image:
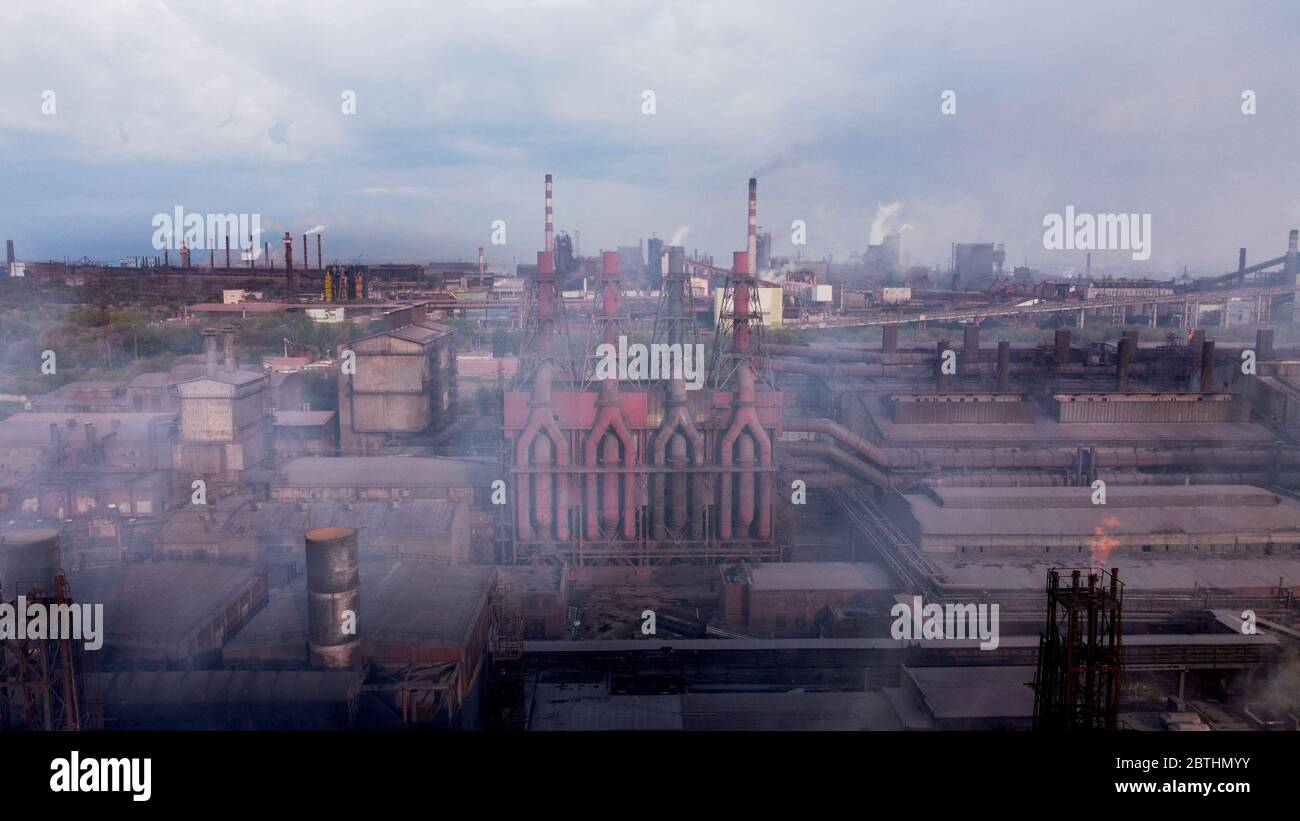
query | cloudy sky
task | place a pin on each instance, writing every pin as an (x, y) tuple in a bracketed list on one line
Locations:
[(462, 108)]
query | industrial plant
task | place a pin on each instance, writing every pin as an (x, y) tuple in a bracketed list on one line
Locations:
[(446, 509)]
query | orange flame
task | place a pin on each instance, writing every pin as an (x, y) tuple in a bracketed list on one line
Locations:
[(1104, 543)]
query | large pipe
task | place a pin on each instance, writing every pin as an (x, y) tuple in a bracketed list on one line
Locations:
[(828, 452), (678, 426), (29, 560), (744, 420), (333, 598), (541, 424), (1004, 366), (1207, 366)]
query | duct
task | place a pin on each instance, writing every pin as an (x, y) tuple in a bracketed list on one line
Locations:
[(841, 434), (609, 419), (1113, 457), (830, 479), (541, 419), (745, 480), (333, 597), (829, 453), (29, 559), (210, 350), (678, 424), (543, 455), (1004, 366), (745, 419)]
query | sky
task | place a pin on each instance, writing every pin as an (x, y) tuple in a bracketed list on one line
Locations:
[(462, 108)]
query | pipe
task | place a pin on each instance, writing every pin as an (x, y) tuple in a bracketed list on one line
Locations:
[(543, 456), (1004, 366), (679, 480), (541, 418), (610, 419), (752, 247), (829, 453), (841, 434), (678, 423), (744, 419)]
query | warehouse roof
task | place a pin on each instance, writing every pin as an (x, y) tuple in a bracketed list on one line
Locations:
[(389, 471), (33, 427), (820, 576), (1137, 572), (372, 519)]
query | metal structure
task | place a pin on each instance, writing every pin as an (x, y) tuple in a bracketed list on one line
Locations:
[(507, 672), (1081, 654)]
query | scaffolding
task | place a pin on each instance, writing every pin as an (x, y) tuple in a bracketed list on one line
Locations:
[(48, 683), (507, 641), (1080, 655)]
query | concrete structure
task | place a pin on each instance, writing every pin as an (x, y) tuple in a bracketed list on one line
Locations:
[(225, 426)]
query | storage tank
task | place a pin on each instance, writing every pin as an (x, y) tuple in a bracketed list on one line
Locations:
[(333, 598)]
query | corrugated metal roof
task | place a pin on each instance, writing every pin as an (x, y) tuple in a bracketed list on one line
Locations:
[(389, 471), (373, 519)]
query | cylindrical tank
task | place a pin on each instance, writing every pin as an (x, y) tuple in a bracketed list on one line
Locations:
[(333, 598), (29, 559)]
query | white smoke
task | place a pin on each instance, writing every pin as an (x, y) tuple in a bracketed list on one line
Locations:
[(884, 215), (316, 230), (679, 236)]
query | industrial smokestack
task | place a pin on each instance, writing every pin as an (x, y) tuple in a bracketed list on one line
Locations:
[(1062, 347), (306, 260), (288, 252), (210, 350), (1291, 268), (550, 219), (752, 247), (480, 264), (227, 252), (228, 347), (320, 255), (941, 378), (333, 598), (1241, 261), (1207, 366), (9, 252), (1125, 363), (889, 339), (29, 559), (1264, 343), (1004, 365)]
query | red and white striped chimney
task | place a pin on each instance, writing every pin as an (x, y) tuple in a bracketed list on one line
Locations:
[(752, 248), (550, 218), (480, 261)]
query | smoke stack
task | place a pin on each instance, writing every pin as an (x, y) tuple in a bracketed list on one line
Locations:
[(941, 377), (889, 339), (1004, 365), (752, 248), (1062, 347), (210, 349), (480, 264), (1088, 273), (333, 597), (1207, 366), (228, 347), (1291, 267), (1264, 343), (320, 255), (306, 260), (29, 559), (288, 252), (1241, 261), (1126, 346), (9, 252), (227, 252), (550, 219)]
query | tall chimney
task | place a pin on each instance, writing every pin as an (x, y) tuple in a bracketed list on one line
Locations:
[(889, 339), (1004, 365), (752, 248), (1207, 366), (320, 256), (1264, 343), (333, 598), (1126, 346), (480, 265), (228, 345), (288, 252), (210, 350), (1291, 267), (9, 252), (1062, 347), (306, 260), (227, 252), (1241, 261), (550, 219), (941, 377)]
